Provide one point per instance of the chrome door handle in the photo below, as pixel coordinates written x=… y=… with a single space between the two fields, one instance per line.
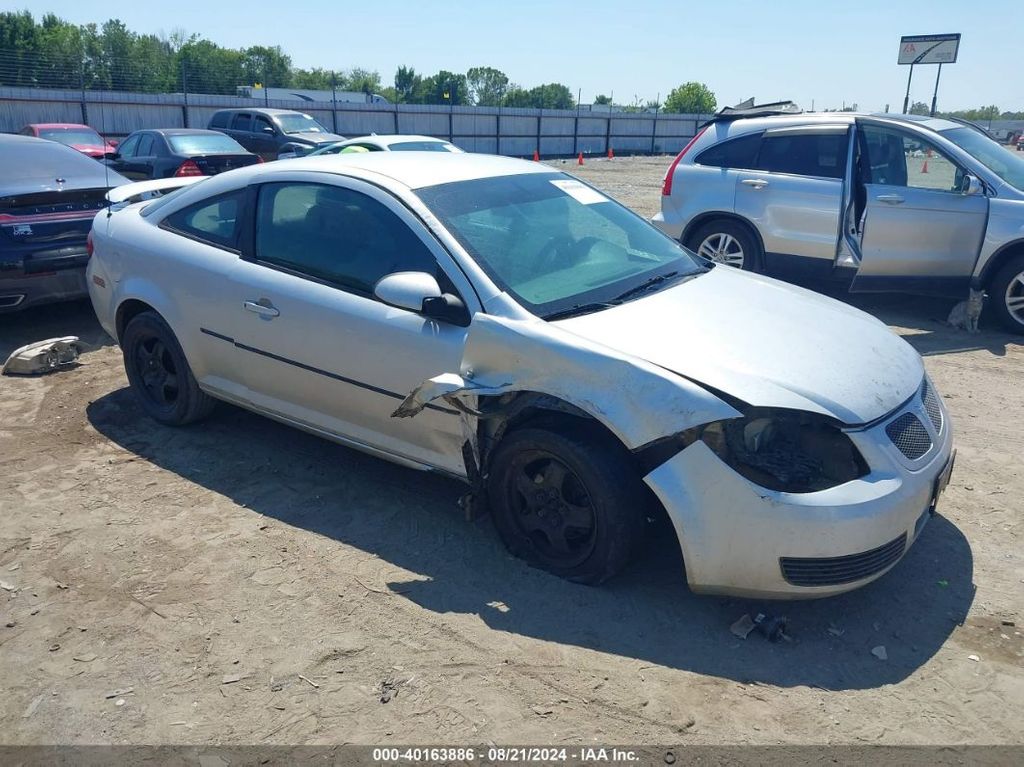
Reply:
x=757 y=183
x=260 y=309
x=891 y=199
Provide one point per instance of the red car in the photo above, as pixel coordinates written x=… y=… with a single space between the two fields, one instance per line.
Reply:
x=80 y=137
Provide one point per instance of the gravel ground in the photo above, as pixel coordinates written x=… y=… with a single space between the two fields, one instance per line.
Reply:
x=242 y=582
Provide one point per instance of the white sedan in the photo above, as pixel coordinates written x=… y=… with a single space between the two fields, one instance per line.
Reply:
x=388 y=143
x=506 y=324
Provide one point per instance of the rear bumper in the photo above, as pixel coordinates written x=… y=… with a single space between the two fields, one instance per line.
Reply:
x=21 y=291
x=671 y=226
x=740 y=539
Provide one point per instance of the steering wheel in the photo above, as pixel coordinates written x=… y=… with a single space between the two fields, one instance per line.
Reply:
x=563 y=252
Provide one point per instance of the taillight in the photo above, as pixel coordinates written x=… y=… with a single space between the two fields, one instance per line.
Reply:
x=88 y=244
x=188 y=168
x=666 y=185
x=259 y=159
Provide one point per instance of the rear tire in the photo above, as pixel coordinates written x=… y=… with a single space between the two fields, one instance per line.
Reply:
x=728 y=242
x=1006 y=291
x=159 y=374
x=568 y=501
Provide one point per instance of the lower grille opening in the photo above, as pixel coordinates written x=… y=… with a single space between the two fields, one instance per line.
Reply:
x=834 y=571
x=7 y=302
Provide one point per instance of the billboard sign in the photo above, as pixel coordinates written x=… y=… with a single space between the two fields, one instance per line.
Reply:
x=929 y=49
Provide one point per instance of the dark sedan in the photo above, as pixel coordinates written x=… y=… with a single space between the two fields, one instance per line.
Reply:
x=172 y=152
x=49 y=194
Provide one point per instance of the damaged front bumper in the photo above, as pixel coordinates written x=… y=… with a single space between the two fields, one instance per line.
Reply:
x=741 y=539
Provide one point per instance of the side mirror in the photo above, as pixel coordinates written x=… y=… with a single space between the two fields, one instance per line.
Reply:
x=972 y=185
x=111 y=155
x=269 y=130
x=419 y=292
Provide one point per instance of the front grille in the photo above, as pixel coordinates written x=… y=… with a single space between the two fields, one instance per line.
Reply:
x=909 y=435
x=834 y=571
x=930 y=400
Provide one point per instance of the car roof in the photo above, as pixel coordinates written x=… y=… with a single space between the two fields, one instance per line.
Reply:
x=743 y=125
x=58 y=125
x=264 y=110
x=181 y=131
x=394 y=138
x=416 y=170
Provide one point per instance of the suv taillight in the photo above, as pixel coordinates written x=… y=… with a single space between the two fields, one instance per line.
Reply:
x=188 y=168
x=666 y=184
x=88 y=244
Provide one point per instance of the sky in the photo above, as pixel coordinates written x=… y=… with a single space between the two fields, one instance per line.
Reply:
x=822 y=54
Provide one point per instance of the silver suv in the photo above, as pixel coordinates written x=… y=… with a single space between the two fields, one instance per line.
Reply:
x=888 y=202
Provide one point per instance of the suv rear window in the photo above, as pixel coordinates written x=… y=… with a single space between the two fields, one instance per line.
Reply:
x=804 y=154
x=219 y=120
x=734 y=153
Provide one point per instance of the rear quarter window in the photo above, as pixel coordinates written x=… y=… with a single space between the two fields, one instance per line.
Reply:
x=220 y=120
x=213 y=221
x=738 y=152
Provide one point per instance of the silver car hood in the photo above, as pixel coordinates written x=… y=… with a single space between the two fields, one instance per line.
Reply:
x=768 y=343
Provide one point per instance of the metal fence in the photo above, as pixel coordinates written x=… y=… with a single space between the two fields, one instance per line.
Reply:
x=495 y=130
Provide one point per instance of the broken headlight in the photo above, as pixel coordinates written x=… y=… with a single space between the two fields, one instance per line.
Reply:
x=785 y=450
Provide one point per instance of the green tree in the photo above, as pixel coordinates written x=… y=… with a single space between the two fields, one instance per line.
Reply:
x=603 y=100
x=357 y=79
x=920 y=108
x=517 y=96
x=208 y=68
x=315 y=79
x=406 y=84
x=691 y=98
x=443 y=88
x=486 y=86
x=267 y=65
x=552 y=96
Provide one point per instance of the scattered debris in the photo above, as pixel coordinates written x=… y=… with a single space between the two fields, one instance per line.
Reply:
x=43 y=356
x=11 y=624
x=307 y=679
x=15 y=566
x=542 y=710
x=388 y=690
x=232 y=678
x=742 y=627
x=276 y=687
x=87 y=658
x=54 y=647
x=1008 y=623
x=32 y=707
x=975 y=658
x=119 y=693
x=62 y=586
x=879 y=652
x=8 y=586
x=772 y=628
x=119 y=702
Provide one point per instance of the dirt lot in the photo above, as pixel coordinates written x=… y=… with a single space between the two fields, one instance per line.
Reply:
x=241 y=582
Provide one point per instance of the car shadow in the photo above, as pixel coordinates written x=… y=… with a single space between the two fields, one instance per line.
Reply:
x=410 y=520
x=921 y=321
x=71 y=318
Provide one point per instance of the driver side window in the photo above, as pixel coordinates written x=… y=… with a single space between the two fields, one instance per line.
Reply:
x=335 y=235
x=898 y=159
x=127 y=148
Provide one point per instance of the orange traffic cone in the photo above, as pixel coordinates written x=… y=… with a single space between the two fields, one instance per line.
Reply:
x=924 y=168
x=611 y=153
x=579 y=160
x=536 y=156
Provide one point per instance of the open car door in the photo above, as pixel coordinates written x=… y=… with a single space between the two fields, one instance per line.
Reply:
x=923 y=216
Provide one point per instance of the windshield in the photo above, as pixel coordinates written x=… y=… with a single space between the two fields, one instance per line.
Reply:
x=423 y=146
x=204 y=144
x=72 y=136
x=299 y=123
x=1004 y=163
x=555 y=243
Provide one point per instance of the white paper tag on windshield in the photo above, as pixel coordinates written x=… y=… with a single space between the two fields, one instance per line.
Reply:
x=579 y=192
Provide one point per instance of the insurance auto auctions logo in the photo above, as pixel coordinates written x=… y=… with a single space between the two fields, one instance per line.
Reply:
x=22 y=230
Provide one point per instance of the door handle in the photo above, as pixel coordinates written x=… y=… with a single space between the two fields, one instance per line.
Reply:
x=757 y=183
x=891 y=199
x=261 y=309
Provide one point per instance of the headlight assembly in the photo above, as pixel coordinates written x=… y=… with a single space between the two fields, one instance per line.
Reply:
x=785 y=450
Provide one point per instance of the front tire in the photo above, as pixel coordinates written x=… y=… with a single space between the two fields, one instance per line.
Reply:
x=568 y=501
x=159 y=374
x=1006 y=291
x=726 y=242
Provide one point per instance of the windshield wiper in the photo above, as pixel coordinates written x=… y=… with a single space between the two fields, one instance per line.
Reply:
x=646 y=285
x=578 y=309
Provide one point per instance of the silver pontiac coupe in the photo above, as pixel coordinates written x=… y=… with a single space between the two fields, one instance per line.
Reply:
x=506 y=324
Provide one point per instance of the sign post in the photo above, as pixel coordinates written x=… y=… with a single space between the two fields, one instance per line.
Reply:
x=927 y=49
